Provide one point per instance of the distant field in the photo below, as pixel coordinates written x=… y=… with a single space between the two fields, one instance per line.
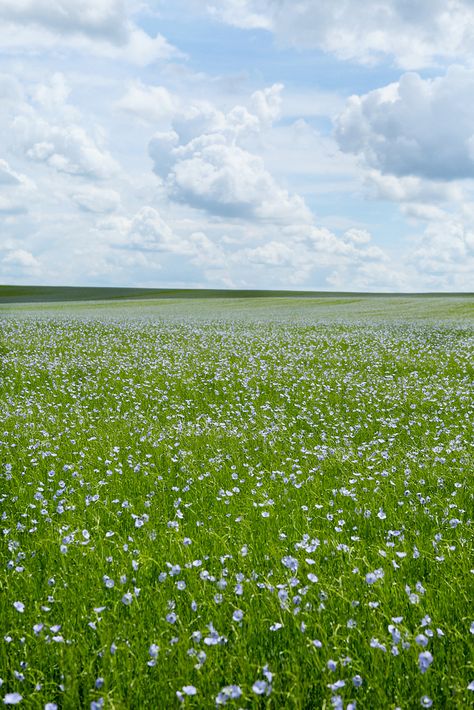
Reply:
x=229 y=305
x=242 y=502
x=32 y=294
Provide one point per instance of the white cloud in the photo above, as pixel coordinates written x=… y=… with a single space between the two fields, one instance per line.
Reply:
x=248 y=14
x=444 y=255
x=232 y=172
x=48 y=130
x=290 y=255
x=415 y=127
x=147 y=232
x=267 y=104
x=53 y=95
x=140 y=49
x=96 y=200
x=16 y=191
x=358 y=236
x=150 y=103
x=411 y=188
x=67 y=149
x=11 y=206
x=229 y=181
x=376 y=277
x=203 y=119
x=96 y=18
x=415 y=33
x=302 y=251
x=22 y=260
x=205 y=164
x=7 y=175
x=98 y=27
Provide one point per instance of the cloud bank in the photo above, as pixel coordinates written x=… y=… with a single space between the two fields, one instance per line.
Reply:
x=415 y=33
x=422 y=127
x=97 y=27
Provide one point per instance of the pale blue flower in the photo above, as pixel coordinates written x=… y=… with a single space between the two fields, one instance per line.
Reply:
x=261 y=687
x=425 y=659
x=290 y=563
x=189 y=690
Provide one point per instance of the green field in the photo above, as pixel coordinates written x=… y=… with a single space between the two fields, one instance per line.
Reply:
x=251 y=502
x=214 y=304
x=42 y=294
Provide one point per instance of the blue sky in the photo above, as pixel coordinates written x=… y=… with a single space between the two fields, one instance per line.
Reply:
x=238 y=143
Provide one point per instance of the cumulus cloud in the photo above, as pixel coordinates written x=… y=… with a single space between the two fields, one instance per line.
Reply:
x=301 y=251
x=100 y=27
x=444 y=255
x=288 y=255
x=267 y=104
x=20 y=260
x=148 y=232
x=46 y=129
x=149 y=103
x=140 y=49
x=415 y=33
x=68 y=149
x=204 y=163
x=414 y=127
x=410 y=188
x=98 y=18
x=226 y=180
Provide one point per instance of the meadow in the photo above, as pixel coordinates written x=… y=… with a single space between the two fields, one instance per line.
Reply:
x=250 y=503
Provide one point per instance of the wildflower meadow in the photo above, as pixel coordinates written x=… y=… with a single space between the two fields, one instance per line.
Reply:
x=250 y=509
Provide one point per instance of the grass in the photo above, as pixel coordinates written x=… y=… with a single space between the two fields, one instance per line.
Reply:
x=302 y=462
x=66 y=294
x=42 y=294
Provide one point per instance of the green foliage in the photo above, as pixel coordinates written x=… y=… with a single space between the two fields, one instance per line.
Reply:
x=312 y=474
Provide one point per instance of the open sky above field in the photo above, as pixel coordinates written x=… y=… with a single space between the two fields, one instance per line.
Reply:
x=238 y=143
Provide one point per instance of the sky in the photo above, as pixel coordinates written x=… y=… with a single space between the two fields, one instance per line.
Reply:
x=296 y=144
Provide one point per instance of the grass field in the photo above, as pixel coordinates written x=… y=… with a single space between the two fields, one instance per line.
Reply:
x=256 y=503
x=42 y=294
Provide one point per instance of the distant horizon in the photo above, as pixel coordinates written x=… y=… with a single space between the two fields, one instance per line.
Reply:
x=238 y=144
x=39 y=290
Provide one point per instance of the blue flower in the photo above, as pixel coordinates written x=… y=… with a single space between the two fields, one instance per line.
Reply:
x=425 y=659
x=290 y=563
x=261 y=687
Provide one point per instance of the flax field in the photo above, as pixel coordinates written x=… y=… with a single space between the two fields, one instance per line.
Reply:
x=220 y=509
